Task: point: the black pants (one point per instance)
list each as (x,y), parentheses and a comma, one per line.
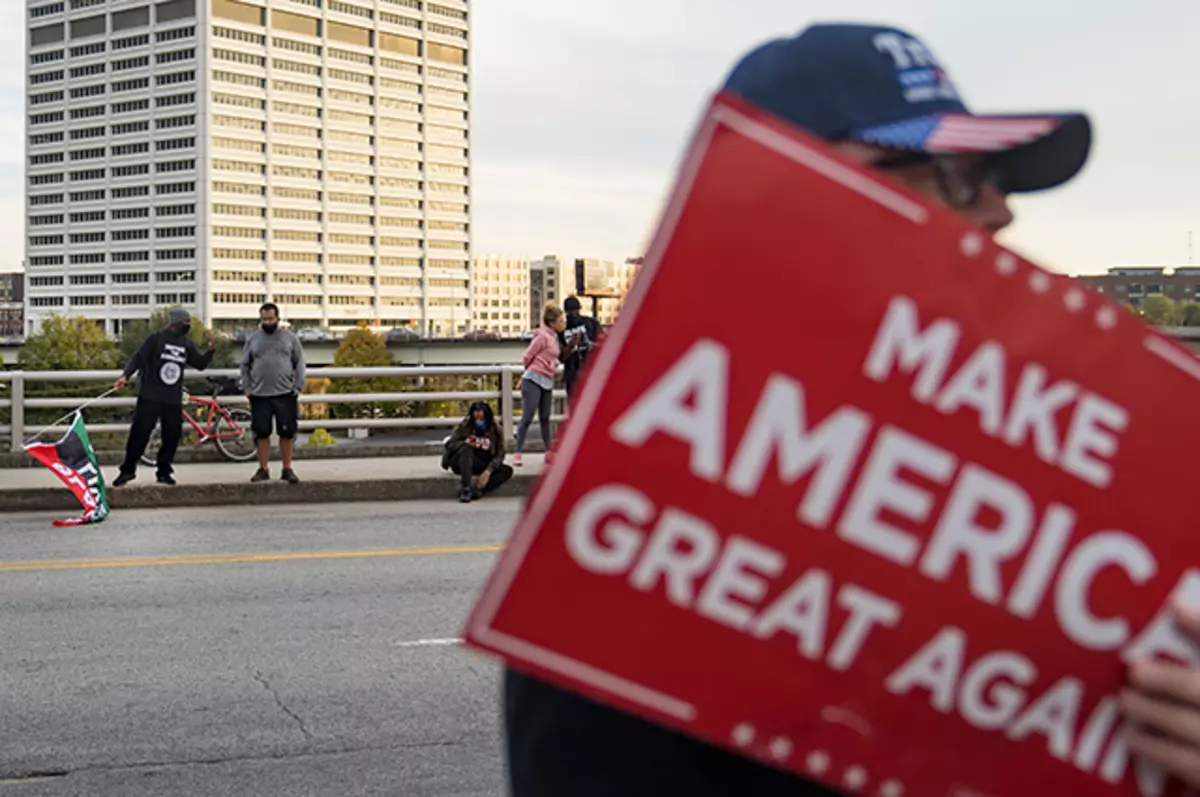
(472,462)
(145,416)
(571,383)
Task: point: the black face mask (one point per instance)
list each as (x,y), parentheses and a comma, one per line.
(184,329)
(270,328)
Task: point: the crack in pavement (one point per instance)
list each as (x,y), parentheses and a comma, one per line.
(258,676)
(191,762)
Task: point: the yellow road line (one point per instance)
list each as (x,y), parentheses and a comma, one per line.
(242,558)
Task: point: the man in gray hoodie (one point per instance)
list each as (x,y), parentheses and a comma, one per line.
(273,376)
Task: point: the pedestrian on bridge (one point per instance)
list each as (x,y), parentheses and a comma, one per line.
(475,451)
(273,372)
(576,342)
(541,361)
(159,364)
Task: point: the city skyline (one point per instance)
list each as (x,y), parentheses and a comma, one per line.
(562,169)
(223,153)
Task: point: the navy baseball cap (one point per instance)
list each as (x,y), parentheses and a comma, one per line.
(882,86)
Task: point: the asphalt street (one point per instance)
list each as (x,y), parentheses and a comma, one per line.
(303,650)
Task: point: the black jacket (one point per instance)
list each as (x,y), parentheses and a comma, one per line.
(160,361)
(562,744)
(466,429)
(586,331)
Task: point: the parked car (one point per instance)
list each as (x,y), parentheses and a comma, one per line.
(313,335)
(402,333)
(481,334)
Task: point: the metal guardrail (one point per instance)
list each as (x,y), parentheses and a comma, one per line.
(14,396)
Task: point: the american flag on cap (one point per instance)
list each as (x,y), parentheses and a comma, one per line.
(949,133)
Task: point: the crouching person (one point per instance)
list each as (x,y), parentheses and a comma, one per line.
(475,451)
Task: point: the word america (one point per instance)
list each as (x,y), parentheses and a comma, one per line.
(689,403)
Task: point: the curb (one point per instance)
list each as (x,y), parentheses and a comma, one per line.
(209,454)
(318,492)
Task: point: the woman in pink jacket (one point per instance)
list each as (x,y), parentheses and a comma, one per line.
(537,387)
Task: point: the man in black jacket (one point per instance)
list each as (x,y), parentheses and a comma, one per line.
(881,99)
(576,342)
(475,451)
(160,362)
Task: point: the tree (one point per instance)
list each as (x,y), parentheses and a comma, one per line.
(1160,310)
(136,330)
(1189,314)
(69,343)
(363,348)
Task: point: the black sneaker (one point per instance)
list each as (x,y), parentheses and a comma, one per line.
(289,476)
(124,479)
(261,475)
(167,479)
(464,497)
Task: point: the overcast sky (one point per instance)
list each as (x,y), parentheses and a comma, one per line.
(580,111)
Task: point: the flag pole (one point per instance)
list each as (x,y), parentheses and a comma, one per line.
(70,414)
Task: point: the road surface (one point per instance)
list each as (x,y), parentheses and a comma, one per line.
(249,651)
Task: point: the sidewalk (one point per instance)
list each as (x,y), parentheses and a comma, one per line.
(205,484)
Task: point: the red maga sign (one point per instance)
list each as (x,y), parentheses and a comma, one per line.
(855,491)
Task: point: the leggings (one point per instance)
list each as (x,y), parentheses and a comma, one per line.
(533,397)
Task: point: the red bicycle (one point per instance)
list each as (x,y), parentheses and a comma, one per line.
(228,429)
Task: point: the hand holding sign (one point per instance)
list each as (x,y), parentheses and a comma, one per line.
(947,522)
(1163,705)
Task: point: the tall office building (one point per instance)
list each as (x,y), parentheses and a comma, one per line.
(501,294)
(551,281)
(221,153)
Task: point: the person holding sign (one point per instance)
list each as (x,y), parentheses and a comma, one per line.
(882,101)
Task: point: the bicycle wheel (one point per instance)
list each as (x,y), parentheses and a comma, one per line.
(150,457)
(233,437)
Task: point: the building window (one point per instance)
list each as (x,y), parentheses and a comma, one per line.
(130,234)
(46,118)
(135,278)
(175,99)
(175,55)
(175,143)
(124,129)
(131,191)
(130,213)
(131,107)
(132,170)
(130,149)
(87,196)
(131,298)
(46,58)
(122,64)
(130,257)
(87,215)
(176,254)
(130,85)
(88,49)
(90,258)
(48,77)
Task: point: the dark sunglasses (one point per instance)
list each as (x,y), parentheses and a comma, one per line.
(960,178)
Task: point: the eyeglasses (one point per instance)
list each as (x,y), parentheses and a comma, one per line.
(960,178)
